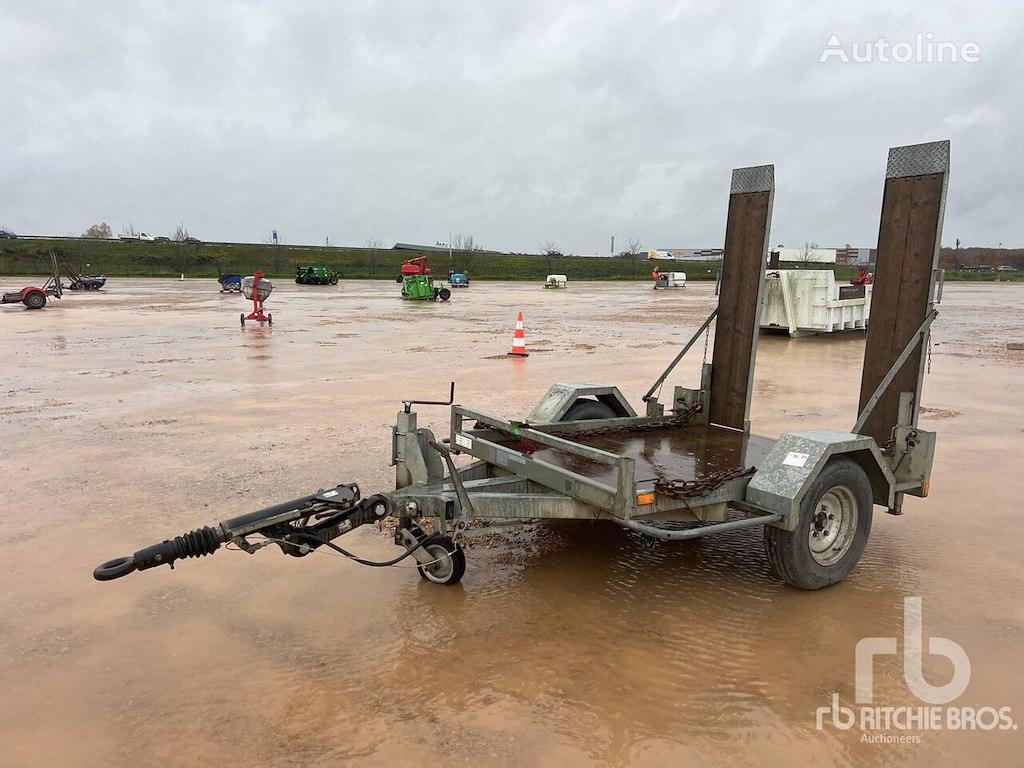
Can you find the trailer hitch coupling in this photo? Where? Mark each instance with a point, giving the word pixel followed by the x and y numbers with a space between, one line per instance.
pixel 297 527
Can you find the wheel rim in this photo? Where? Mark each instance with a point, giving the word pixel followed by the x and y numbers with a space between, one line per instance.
pixel 441 570
pixel 833 525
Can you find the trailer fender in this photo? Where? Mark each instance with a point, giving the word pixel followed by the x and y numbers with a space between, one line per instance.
pixel 797 458
pixel 561 397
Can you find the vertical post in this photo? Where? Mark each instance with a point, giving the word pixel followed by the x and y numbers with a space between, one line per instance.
pixel 739 302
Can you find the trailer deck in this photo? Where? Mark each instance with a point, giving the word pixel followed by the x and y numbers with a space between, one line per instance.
pixel 689 453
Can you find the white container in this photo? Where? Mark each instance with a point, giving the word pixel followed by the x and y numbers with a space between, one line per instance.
pixel 556 281
pixel 809 301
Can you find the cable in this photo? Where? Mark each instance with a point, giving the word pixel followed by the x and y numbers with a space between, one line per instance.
pixel 360 560
pixel 334 554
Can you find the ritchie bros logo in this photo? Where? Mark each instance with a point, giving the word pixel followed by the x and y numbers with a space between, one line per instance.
pixel 934 715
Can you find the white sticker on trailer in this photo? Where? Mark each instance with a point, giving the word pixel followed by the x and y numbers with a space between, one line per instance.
pixel 794 459
pixel 464 442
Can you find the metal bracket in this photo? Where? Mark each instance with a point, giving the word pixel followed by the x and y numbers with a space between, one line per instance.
pixel 466 511
pixel 671 366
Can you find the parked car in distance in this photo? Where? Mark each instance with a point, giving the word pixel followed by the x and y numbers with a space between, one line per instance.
pixel 143 236
pixel 192 241
pixel 1007 268
pixel 161 239
pixel 5 235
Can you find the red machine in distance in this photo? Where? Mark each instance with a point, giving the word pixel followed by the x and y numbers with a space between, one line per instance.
pixel 257 288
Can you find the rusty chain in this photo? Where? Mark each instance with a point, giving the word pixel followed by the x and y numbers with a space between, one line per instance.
pixel 691 489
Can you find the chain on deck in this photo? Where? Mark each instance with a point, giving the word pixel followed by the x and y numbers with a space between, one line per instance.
pixel 675 488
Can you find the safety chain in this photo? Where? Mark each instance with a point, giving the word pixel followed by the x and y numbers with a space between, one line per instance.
pixel 690 489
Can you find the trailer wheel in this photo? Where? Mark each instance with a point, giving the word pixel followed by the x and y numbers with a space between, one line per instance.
pixel 242 317
pixel 270 319
pixel 445 294
pixel 451 562
pixel 584 410
pixel 832 529
pixel 34 300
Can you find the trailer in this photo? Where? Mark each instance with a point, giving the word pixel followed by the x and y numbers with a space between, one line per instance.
pixel 804 302
pixel 33 297
pixel 682 469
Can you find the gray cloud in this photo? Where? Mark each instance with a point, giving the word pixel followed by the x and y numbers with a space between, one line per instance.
pixel 520 122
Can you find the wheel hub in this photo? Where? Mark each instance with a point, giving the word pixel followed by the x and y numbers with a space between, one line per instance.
pixel 833 525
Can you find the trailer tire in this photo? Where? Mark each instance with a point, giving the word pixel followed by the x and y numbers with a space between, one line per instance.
pixel 34 300
pixel 451 565
pixel 242 316
pixel 444 294
pixel 831 532
pixel 585 410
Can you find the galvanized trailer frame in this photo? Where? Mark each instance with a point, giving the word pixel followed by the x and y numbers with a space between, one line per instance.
pixel 513 484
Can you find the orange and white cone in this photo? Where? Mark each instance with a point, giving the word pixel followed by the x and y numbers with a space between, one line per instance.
pixel 519 339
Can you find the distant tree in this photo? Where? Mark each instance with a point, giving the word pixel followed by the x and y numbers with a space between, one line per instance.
pixel 180 233
pixel 634 247
pixel 808 253
pixel 129 230
pixel 374 244
pixel 99 231
pixel 550 248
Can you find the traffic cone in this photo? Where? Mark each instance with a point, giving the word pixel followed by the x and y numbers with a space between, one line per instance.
pixel 519 339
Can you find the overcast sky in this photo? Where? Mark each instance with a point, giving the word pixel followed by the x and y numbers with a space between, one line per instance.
pixel 519 122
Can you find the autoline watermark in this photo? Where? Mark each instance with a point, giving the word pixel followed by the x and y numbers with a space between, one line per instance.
pixel 877 723
pixel 923 49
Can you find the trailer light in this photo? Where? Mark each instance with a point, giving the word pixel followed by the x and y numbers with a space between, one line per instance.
pixel 924 488
pixel 643 499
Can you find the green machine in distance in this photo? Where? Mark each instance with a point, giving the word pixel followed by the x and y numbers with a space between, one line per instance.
pixel 315 276
pixel 418 285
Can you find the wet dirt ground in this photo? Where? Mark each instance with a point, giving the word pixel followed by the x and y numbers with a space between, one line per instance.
pixel 145 410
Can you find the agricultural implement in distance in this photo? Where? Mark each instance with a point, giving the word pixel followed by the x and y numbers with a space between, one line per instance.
pixel 685 469
pixel 33 297
pixel 316 276
pixel 257 288
pixel 418 285
pixel 80 282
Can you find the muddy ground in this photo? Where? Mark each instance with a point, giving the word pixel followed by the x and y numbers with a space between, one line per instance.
pixel 144 410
